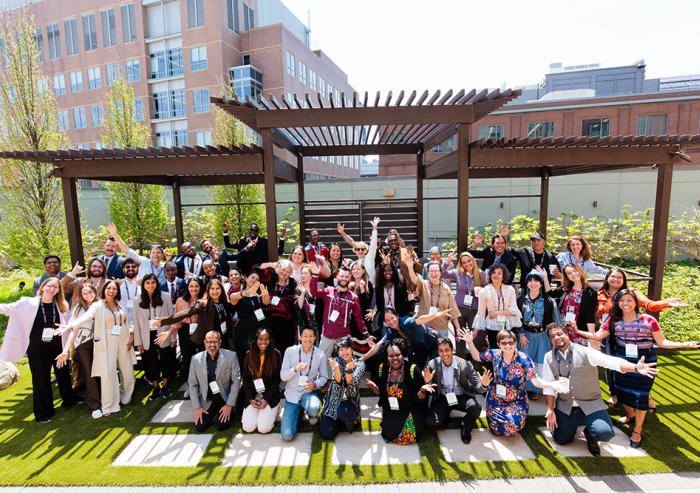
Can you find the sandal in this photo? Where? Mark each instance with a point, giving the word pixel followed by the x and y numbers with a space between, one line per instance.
pixel 651 410
pixel 625 420
pixel 636 443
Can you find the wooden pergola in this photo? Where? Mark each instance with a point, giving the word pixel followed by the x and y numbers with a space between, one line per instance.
pixel 312 125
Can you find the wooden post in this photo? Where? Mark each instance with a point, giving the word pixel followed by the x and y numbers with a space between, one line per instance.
pixel 420 173
pixel 177 210
pixel 463 186
pixel 70 204
pixel 301 199
pixel 662 208
pixel 544 200
pixel 270 199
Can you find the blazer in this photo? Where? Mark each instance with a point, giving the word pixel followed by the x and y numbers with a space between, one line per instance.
pixel 205 320
pixel 272 392
pixel 180 287
pixel 141 317
pixel 464 373
pixel 526 259
pixel 114 267
pixel 256 256
pixel 489 257
pixel 22 314
pixel 228 378
pixel 180 264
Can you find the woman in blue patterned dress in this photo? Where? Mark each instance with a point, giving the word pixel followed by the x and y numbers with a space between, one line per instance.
pixel 506 399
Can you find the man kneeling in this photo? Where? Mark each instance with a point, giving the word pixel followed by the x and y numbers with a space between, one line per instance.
pixel 214 382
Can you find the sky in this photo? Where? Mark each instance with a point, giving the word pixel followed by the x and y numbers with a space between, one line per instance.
pixel 455 44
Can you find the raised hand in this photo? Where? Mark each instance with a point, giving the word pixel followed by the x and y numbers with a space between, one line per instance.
pixel 428 375
pixel 478 239
pixel 428 388
pixel 451 257
pixel 505 230
pixel 225 227
pixel 465 335
pixel 168 255
pixel 112 230
pixel 350 366
pixel 486 378
pixel 283 231
pixel 77 270
pixel 340 228
pixel 333 363
pixel 375 222
pixel 676 303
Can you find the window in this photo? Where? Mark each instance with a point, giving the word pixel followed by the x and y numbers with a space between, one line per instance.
pixel 109 28
pixel 195 13
pixel 652 125
pixel 198 58
pixel 600 127
pixel 62 120
pixel 112 73
pixel 167 63
pixel 94 78
pixel 76 82
pixel 247 81
pixel 59 84
pixel 322 86
pixel 98 117
pixel 128 22
pixel 329 90
pixel 133 70
pixel 89 32
pixel 540 129
pixel 291 64
pixel 163 18
pixel 491 132
pixel 302 73
pixel 201 100
pixel 169 138
pixel 203 138
pixel 169 104
pixel 312 80
pixel 248 18
pixel 79 117
pixel 232 15
pixel 71 28
pixel 138 110
pixel 39 41
pixel 54 39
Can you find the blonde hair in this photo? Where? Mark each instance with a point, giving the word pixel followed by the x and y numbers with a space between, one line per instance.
pixel 475 273
pixel 586 253
pixel 59 299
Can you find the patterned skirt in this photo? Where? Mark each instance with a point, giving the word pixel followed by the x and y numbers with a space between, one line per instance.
pixel 632 389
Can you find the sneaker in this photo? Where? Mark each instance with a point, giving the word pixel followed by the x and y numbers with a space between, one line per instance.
pixel 45 420
pixel 313 420
pixel 187 395
pixel 166 393
pixel 97 414
pixel 155 394
pixel 592 445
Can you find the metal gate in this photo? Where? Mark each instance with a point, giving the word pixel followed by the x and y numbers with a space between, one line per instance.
pixel 356 215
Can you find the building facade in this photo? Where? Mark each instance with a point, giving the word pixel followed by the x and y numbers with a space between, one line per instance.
pixel 177 54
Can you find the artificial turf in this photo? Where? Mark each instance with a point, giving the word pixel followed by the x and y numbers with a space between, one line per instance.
pixel 74 449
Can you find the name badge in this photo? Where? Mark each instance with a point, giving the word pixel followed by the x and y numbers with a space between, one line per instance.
pixel 152 325
pixel 259 385
pixel 335 281
pixel 570 317
pixel 433 310
pixel 501 319
pixel 394 403
pixel 312 308
pixel 275 301
pixel 468 299
pixel 501 391
pixel 223 327
pixel 451 398
pixel 302 381
pixel 116 330
pixel 193 327
pixel 214 387
pixel 130 304
pixel 47 334
pixel 564 382
pixel 334 315
pixel 259 314
pixel 631 351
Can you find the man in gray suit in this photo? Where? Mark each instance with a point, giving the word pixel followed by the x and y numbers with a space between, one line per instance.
pixel 455 383
pixel 214 382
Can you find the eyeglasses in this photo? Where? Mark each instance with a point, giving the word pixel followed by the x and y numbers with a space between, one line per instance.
pixel 509 342
pixel 50 286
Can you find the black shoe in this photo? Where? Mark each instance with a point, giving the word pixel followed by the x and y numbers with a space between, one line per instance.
pixel 155 394
pixel 466 436
pixel 166 393
pixel 593 446
pixel 636 443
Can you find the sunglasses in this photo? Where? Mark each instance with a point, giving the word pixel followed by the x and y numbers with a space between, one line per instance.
pixel 360 249
pixel 507 343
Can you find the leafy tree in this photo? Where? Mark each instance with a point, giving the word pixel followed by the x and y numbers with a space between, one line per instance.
pixel 33 214
pixel 139 211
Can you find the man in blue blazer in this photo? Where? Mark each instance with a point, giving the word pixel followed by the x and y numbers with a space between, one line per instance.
pixel 173 285
pixel 112 260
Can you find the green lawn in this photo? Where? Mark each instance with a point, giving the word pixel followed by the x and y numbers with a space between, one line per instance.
pixel 75 450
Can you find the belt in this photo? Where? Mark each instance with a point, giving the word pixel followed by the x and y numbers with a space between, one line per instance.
pixel 533 329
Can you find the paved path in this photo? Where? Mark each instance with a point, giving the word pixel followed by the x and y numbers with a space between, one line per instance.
pixel 649 483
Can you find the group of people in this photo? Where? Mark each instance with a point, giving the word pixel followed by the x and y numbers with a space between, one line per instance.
pixel 310 327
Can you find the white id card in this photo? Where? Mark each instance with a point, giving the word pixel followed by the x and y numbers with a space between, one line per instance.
pixel 302 381
pixel 468 299
pixel 570 317
pixel 564 382
pixel 451 398
pixel 433 310
pixel 335 281
pixel 275 301
pixel 394 403
pixel 193 327
pixel 116 330
pixel 501 391
pixel 631 351
pixel 312 308
pixel 130 304
pixel 259 314
pixel 152 325
pixel 47 334
pixel 214 387
pixel 259 385
pixel 334 315
pixel 223 327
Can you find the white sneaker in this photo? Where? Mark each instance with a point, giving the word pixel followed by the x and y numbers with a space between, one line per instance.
pixel 187 394
pixel 97 414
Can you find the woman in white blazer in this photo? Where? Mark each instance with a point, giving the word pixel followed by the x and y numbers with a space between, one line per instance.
pixel 113 343
pixel 31 329
pixel 158 359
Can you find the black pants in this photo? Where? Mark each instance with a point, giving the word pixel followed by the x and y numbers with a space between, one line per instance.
pixel 42 357
pixel 187 349
pixel 211 417
pixel 283 332
pixel 329 427
pixel 439 411
pixel 92 384
pixel 159 362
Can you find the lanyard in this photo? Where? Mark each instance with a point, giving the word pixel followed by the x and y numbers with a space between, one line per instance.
pixel 438 297
pixel 389 293
pixel 280 290
pixel 151 317
pixel 117 315
pixel 311 360
pixel 220 311
pixel 397 383
pixel 451 371
pixel 46 319
pixel 534 261
pixel 501 304
pixel 128 292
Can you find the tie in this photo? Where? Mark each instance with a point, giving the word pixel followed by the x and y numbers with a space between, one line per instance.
pixel 172 291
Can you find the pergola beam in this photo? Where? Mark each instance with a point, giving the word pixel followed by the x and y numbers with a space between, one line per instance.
pixel 270 198
pixel 572 156
pixel 662 207
pixel 359 150
pixel 70 204
pixel 463 151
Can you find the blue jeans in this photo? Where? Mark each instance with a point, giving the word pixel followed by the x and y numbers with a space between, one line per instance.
pixel 598 423
pixel 310 402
